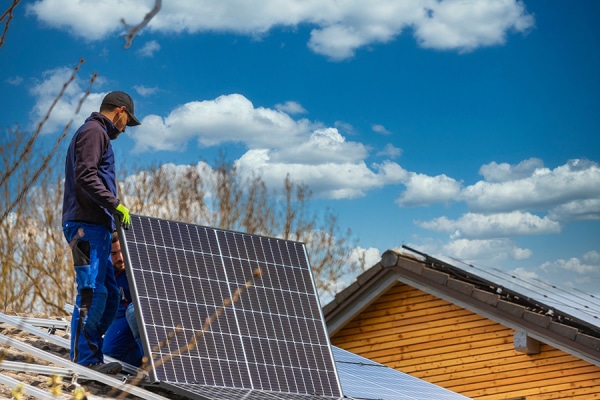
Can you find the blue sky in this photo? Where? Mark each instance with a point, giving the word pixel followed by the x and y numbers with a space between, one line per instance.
pixel 467 129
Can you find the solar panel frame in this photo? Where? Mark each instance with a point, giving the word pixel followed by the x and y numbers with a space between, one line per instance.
pixel 575 304
pixel 271 338
pixel 581 307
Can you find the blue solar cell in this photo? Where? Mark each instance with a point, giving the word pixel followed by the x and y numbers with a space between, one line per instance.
pixel 583 307
pixel 362 378
pixel 209 321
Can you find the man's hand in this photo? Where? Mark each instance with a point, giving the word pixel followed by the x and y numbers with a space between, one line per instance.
pixel 125 218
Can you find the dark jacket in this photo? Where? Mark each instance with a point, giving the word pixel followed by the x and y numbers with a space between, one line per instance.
pixel 90 181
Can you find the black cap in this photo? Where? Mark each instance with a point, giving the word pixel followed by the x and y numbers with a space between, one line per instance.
pixel 120 99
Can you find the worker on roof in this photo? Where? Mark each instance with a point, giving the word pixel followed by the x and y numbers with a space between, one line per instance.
pixel 122 339
pixel 90 200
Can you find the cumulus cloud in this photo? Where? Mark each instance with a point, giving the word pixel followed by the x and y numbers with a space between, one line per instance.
pixel 339 28
pixel 390 151
pixel 503 172
pixel 472 225
pixel 581 273
pixel 480 252
pixel 424 190
pixel 541 189
pixel 568 192
pixel 341 180
pixel 291 107
pixel 277 144
pixel 228 118
pixel 149 49
pixel 45 92
pixel 524 274
pixel 485 251
pixel 15 80
pixel 145 91
pixel 380 129
pixel 345 127
pixel 467 25
pixel 589 264
pixel 577 210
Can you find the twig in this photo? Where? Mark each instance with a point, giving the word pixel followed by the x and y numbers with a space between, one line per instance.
pixel 8 14
pixel 29 145
pixel 257 272
pixel 133 31
pixel 49 156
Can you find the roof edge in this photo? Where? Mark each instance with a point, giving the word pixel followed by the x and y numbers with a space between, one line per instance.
pixel 423 274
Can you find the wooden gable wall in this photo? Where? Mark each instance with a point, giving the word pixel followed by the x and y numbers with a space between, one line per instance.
pixel 437 341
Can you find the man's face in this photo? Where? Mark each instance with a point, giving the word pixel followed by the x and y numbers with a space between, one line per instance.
pixel 121 119
pixel 117 257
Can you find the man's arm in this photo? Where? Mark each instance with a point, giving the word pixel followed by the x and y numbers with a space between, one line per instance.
pixel 90 146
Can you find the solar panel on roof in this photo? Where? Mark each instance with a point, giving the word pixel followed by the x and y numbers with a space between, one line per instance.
pixel 365 379
pixel 223 311
pixel 582 307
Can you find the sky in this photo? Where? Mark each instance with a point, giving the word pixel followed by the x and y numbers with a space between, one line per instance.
pixel 466 129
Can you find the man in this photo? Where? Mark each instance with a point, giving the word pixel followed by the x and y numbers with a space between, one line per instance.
pixel 90 200
pixel 122 339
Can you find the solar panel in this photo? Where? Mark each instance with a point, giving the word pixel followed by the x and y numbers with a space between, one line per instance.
pixel 365 379
pixel 580 306
pixel 227 312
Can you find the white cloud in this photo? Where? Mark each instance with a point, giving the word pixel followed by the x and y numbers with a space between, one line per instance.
pixel 480 252
pixel 344 127
pixel 380 129
pixel 145 91
pixel 424 190
pixel 494 172
pixel 80 18
pixel 340 28
pixel 370 256
pixel 542 189
pixel 390 151
pixel 45 93
pixel 277 145
pixel 15 80
pixel 472 225
pixel 524 274
pixel 485 252
pixel 588 265
pixel 291 107
pixel 149 49
pixel 577 210
pixel 359 256
pixel 467 25
pixel 340 180
pixel 592 257
pixel 228 118
pixel 325 144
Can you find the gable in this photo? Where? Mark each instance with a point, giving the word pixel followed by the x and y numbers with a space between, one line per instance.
pixel 433 339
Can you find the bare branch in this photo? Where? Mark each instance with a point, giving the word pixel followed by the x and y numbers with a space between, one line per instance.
pixel 29 146
pixel 132 31
pixel 51 154
pixel 8 14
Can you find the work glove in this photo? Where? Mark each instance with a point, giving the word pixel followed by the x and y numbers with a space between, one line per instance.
pixel 125 218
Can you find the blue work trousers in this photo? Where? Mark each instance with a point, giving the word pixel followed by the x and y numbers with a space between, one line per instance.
pixel 97 293
pixel 122 340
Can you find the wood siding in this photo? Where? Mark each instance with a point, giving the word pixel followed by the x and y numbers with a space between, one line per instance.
pixel 439 342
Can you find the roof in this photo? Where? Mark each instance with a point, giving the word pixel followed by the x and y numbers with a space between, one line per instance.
pixel 360 377
pixel 364 379
pixel 568 320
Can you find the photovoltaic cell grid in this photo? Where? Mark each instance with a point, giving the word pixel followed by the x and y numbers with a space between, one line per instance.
pixel 270 334
pixel 581 306
pixel 365 379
